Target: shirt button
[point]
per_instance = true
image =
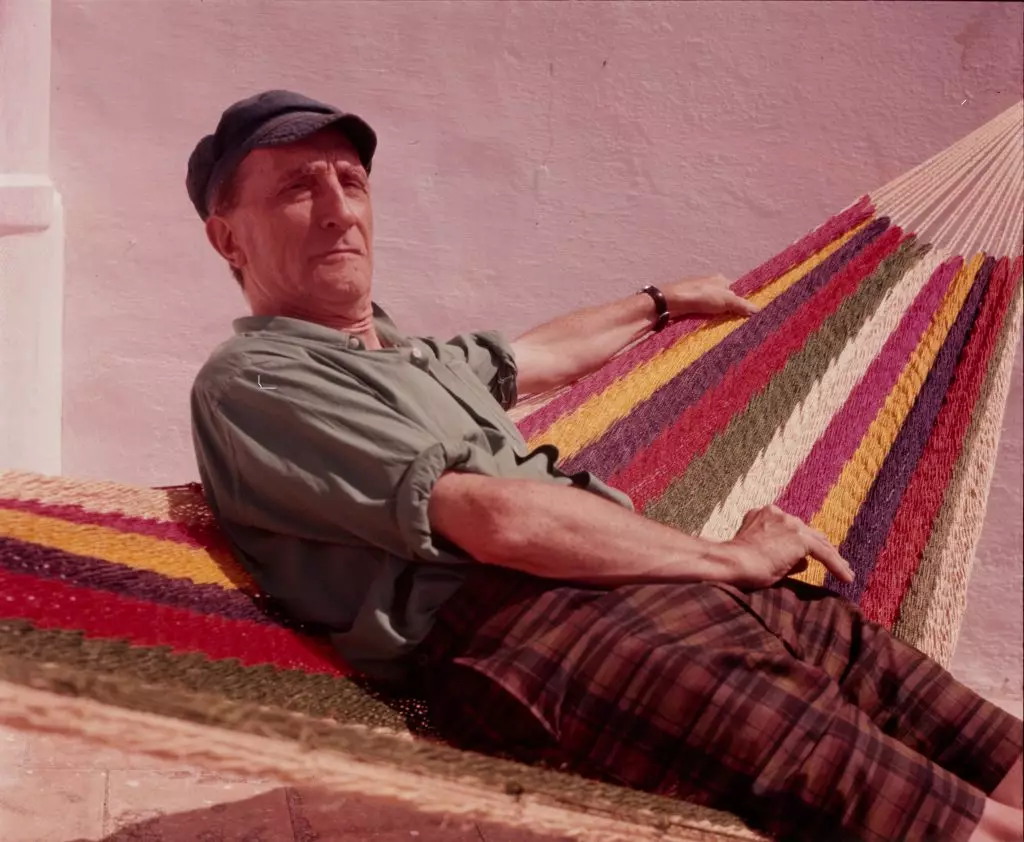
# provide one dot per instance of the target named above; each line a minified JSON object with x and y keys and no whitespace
{"x":416,"y":353}
{"x":354,"y":343}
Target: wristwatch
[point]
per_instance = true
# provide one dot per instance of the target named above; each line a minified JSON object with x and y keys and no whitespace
{"x":660,"y":303}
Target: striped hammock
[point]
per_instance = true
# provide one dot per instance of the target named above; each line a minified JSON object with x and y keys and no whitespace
{"x":864,"y":397}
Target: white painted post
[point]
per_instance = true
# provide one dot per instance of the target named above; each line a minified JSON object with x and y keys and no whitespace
{"x":31,"y":246}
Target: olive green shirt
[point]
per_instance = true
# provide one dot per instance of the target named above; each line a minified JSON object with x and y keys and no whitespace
{"x":318,"y":458}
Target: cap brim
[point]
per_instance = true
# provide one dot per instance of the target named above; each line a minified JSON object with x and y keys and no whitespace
{"x":297,"y":125}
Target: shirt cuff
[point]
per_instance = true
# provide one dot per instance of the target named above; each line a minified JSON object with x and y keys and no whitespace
{"x":416,"y":486}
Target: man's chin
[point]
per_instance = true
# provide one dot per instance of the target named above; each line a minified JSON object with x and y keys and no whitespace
{"x":330,"y":280}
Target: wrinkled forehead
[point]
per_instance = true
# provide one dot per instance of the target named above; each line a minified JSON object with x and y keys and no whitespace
{"x":328,"y":146}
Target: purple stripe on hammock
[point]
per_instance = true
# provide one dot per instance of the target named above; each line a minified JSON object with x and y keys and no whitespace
{"x":822,"y":467}
{"x":873,"y":521}
{"x":628,"y":436}
{"x":85,"y":571}
{"x":754,"y":280}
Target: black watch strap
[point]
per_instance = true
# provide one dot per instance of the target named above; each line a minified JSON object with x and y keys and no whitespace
{"x":660,"y":303}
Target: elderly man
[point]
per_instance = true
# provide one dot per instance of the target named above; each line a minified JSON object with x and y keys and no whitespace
{"x":373,"y":483}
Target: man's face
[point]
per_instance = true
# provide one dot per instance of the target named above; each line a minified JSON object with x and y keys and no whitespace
{"x":301,"y":225}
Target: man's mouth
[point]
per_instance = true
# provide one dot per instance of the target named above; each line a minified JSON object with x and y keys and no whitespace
{"x":338,"y":253}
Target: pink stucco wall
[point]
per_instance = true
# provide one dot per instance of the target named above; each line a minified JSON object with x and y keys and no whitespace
{"x":533,"y":158}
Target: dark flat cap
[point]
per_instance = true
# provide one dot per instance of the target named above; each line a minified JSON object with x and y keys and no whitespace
{"x":267,"y":119}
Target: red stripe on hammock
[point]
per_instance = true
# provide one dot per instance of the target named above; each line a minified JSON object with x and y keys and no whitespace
{"x":655,"y":468}
{"x":99,"y":614}
{"x":206,"y":537}
{"x":900,"y":558}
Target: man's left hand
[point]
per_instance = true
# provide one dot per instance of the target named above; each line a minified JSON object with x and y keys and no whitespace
{"x":705,"y":296}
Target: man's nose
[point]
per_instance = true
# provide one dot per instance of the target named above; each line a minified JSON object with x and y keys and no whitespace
{"x":335,"y":209}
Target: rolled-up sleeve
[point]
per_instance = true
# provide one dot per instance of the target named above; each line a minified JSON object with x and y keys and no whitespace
{"x":310,"y":451}
{"x":489,"y":354}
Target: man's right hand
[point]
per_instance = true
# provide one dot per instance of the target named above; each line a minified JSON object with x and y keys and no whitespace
{"x":771,"y":545}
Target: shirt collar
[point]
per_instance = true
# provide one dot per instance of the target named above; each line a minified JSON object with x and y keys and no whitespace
{"x":302,"y":329}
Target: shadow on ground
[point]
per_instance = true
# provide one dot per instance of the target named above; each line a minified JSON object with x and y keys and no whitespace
{"x":308,"y":815}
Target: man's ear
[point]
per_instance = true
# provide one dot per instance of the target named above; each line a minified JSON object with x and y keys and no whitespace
{"x":223,"y":239}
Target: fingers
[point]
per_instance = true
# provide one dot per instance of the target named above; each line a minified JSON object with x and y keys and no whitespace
{"x":729,"y":302}
{"x":815,"y":543}
{"x":821,"y":536}
{"x":743,"y":307}
{"x":740,"y":305}
{"x":707,"y":296}
{"x":828,"y":555}
{"x":819,"y":546}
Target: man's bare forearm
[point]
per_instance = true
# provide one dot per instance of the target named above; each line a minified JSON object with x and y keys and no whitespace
{"x":559,"y":532}
{"x":566,"y":348}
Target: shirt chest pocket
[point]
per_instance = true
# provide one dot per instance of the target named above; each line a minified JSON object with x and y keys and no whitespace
{"x":478,"y":399}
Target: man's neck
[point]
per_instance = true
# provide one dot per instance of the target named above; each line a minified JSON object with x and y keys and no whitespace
{"x":362,"y":328}
{"x":358,"y":323}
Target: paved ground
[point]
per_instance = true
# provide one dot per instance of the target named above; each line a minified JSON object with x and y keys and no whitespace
{"x":58,"y":790}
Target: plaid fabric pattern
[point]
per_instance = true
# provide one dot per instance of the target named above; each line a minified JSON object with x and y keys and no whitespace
{"x":784,"y":705}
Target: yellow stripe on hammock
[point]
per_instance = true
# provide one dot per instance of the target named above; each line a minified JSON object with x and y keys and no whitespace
{"x":840,"y":507}
{"x":141,"y":552}
{"x":595,"y":416}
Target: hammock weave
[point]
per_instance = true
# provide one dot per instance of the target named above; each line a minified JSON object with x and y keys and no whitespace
{"x":865,"y":397}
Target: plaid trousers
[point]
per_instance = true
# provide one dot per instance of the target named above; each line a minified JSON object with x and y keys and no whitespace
{"x":784,"y":706}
